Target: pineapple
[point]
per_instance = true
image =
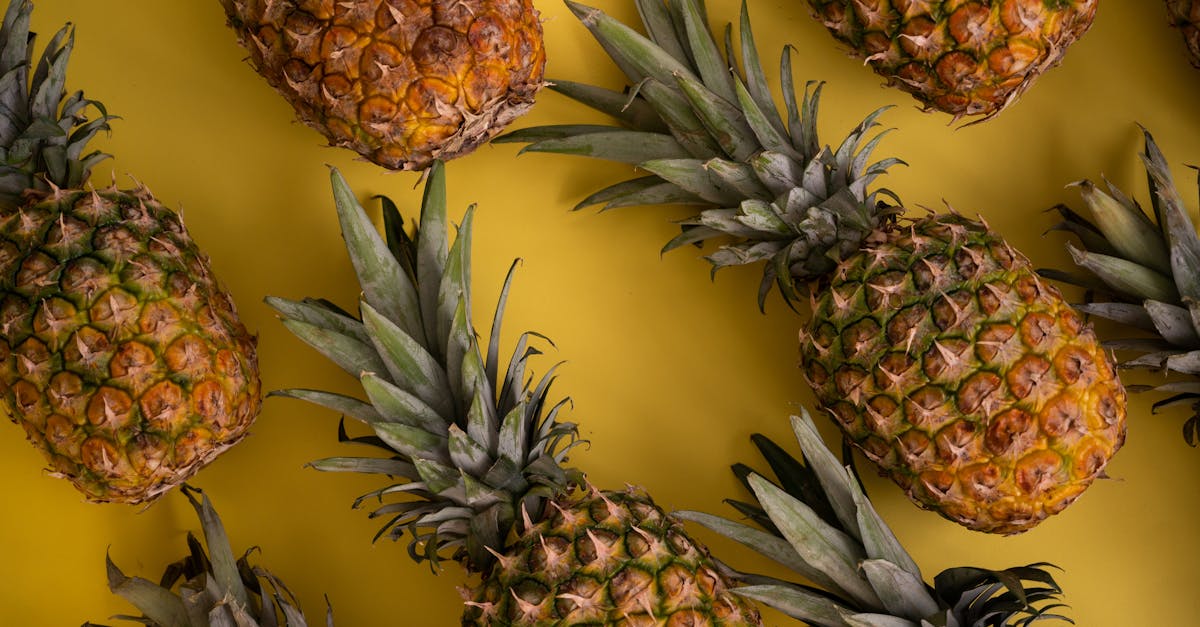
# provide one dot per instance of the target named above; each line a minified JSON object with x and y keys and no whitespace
{"x":215,"y":588}
{"x":817,"y":520}
{"x":932,"y":343}
{"x":479,"y":448}
{"x":120,"y":354}
{"x":400,"y":83}
{"x":1142,"y":271}
{"x":965,"y":58}
{"x":1185,"y":15}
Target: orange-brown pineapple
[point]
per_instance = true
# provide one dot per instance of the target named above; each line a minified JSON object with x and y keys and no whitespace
{"x":963,"y":57}
{"x":401,"y":82}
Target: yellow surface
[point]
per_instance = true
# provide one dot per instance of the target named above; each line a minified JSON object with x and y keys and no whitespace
{"x":670,"y":372}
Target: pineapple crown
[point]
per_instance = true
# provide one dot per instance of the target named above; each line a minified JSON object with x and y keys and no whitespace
{"x":707,"y":131}
{"x":1141,"y":272}
{"x":816,"y":520}
{"x":473,"y":452}
{"x":215,"y":588}
{"x":43,"y":131}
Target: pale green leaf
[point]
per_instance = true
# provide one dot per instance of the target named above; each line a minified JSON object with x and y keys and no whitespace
{"x":821,"y":545}
{"x":831,"y":474}
{"x":467,"y":454}
{"x":1126,"y":229}
{"x":764,"y":543}
{"x":878,"y":620}
{"x":220,"y":554}
{"x":631,"y":147}
{"x":691,"y":176}
{"x":411,"y":367}
{"x":631,"y":50}
{"x":156,"y":602}
{"x":432,"y":243}
{"x":395,"y":404}
{"x":352,"y":355}
{"x":1127,"y":277}
{"x":345,"y":405}
{"x":385,"y":284}
{"x":903,"y":593}
{"x":878,"y":539}
{"x":320,"y":316}
{"x":798,"y":603}
{"x":714,"y":69}
{"x":724,"y":121}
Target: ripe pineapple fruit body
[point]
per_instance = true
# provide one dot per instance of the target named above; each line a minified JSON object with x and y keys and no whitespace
{"x":120,"y":354}
{"x":400,"y":82}
{"x":963,"y":57}
{"x":972,"y":383}
{"x":476,"y":449}
{"x":123,"y":358}
{"x":605,"y":558}
{"x":931,"y":341}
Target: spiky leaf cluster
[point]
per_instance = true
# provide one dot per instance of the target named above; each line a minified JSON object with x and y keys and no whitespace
{"x":1142,"y":272}
{"x":816,"y":520}
{"x":707,"y":130}
{"x":214,"y":589}
{"x":43,"y":131}
{"x":470,"y":445}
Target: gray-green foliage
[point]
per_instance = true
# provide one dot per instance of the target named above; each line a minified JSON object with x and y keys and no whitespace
{"x":210,"y":588}
{"x":468,"y":444}
{"x":43,"y":131}
{"x":815,"y":519}
{"x":707,"y":130}
{"x":1142,"y":271}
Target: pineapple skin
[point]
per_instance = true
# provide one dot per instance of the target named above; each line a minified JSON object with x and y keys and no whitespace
{"x":962,"y":57}
{"x":401,"y":82}
{"x":606,"y":558}
{"x":972,"y":384}
{"x":1185,"y":15}
{"x":120,"y":355}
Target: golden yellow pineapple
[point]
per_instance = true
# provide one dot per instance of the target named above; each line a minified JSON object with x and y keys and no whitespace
{"x":931,"y":342}
{"x":963,"y":57}
{"x":401,"y":82}
{"x":1185,"y":15}
{"x":120,"y":354}
{"x":978,"y":388}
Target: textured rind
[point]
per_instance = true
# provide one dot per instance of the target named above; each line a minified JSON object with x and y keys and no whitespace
{"x":971,"y":383}
{"x":963,"y":57}
{"x":611,"y":558}
{"x":120,"y":355}
{"x":401,"y":82}
{"x":1185,"y":15}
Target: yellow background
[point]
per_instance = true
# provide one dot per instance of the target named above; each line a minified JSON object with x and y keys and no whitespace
{"x":670,"y":372}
